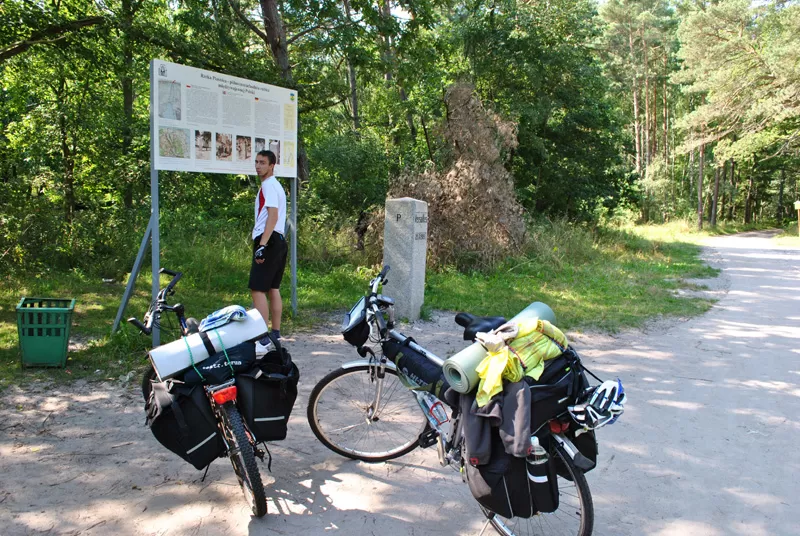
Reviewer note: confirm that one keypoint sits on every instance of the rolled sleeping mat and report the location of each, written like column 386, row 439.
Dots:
column 459, row 370
column 172, row 358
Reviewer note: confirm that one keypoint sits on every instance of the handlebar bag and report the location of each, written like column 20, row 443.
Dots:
column 266, row 395
column 180, row 417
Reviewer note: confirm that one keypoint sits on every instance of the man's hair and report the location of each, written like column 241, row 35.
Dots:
column 269, row 154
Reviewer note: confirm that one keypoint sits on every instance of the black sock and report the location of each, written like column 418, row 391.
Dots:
column 276, row 333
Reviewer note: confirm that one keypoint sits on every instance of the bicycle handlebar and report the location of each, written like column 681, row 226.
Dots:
column 160, row 304
column 379, row 279
column 141, row 326
column 176, row 276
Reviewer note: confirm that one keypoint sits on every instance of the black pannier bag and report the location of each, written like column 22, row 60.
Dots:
column 561, row 382
column 422, row 371
column 503, row 485
column 220, row 367
column 266, row 395
column 181, row 419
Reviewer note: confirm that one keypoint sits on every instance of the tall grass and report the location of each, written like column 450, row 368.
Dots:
column 594, row 278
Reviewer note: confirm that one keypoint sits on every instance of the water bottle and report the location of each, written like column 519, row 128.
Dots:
column 543, row 489
column 434, row 411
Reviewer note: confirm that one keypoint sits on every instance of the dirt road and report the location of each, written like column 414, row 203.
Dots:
column 708, row 444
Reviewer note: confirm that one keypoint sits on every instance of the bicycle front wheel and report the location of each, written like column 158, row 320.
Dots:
column 242, row 455
column 574, row 516
column 345, row 417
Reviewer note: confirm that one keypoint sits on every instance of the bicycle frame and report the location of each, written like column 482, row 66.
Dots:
column 449, row 446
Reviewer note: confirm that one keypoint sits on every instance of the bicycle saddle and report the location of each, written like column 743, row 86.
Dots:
column 474, row 324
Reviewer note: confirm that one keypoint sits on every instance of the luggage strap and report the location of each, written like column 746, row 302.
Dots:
column 166, row 399
column 191, row 358
column 207, row 343
column 227, row 359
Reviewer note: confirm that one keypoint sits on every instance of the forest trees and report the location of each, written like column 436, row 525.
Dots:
column 712, row 103
column 675, row 107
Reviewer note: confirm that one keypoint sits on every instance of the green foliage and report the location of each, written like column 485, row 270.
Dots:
column 534, row 62
column 350, row 176
column 593, row 278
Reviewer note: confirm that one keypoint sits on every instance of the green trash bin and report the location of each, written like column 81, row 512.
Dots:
column 43, row 325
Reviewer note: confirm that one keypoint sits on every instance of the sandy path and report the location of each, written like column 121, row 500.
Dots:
column 706, row 446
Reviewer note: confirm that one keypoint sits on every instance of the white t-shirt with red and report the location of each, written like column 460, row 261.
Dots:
column 270, row 194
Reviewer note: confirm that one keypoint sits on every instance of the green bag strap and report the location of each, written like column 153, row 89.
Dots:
column 224, row 351
column 191, row 358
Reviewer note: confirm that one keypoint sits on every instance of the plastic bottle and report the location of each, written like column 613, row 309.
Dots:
column 434, row 411
column 543, row 490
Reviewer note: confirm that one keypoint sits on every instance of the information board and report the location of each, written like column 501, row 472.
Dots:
column 215, row 123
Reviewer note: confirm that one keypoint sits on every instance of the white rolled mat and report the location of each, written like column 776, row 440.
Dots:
column 173, row 358
column 459, row 370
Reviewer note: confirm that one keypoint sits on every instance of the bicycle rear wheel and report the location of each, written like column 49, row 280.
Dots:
column 575, row 514
column 343, row 415
column 242, row 455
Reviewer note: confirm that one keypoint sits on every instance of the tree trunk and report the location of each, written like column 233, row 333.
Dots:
column 700, row 187
column 690, row 175
column 748, row 203
column 637, row 135
column 68, row 161
column 780, row 196
column 126, row 80
column 362, row 226
column 732, row 207
column 715, row 197
column 409, row 117
column 647, row 154
column 427, row 139
column 351, row 77
column 276, row 38
column 666, row 111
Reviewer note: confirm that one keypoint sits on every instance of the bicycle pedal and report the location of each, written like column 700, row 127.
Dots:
column 259, row 453
column 428, row 438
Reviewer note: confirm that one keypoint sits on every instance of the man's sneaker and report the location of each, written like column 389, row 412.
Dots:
column 263, row 349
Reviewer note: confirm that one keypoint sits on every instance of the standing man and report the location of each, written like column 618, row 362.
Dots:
column 269, row 247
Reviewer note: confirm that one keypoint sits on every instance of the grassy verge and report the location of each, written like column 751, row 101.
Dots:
column 603, row 279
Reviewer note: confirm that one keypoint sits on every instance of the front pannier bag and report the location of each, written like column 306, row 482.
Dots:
column 181, row 419
column 266, row 395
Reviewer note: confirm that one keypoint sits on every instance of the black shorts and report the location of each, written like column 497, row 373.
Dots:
column 268, row 274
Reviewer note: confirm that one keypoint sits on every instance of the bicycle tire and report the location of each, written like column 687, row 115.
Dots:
column 398, row 422
column 543, row 524
column 243, row 459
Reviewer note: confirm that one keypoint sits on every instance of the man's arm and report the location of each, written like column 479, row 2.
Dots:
column 272, row 220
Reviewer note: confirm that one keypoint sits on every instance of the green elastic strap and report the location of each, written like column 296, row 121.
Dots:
column 191, row 358
column 224, row 351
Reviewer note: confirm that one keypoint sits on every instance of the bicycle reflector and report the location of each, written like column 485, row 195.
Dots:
column 225, row 395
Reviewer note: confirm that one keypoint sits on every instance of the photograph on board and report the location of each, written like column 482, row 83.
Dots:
column 224, row 147
column 275, row 147
column 169, row 100
column 202, row 144
column 243, row 148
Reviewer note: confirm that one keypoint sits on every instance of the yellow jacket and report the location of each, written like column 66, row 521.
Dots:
column 534, row 341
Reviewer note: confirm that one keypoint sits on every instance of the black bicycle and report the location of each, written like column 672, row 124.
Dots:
column 372, row 410
column 240, row 444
